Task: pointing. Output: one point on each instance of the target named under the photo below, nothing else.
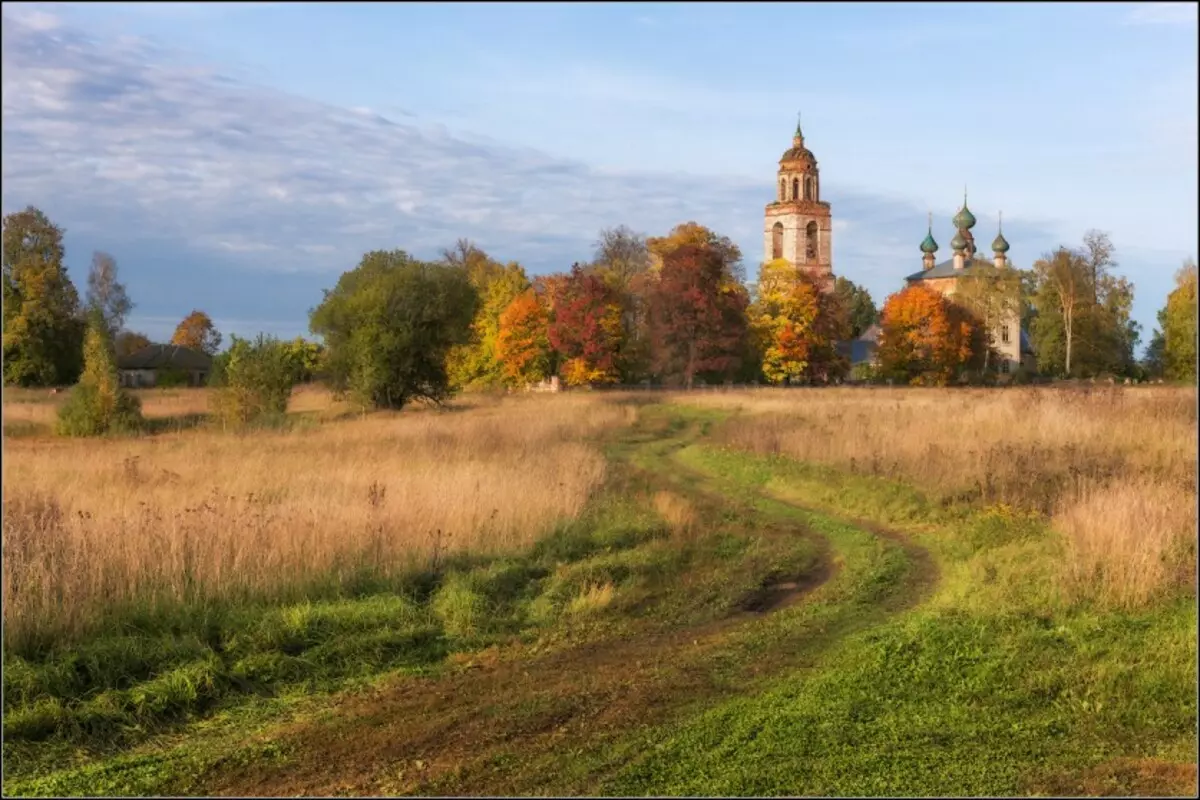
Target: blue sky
(239, 157)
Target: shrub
(168, 378)
(255, 380)
(98, 405)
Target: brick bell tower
(799, 227)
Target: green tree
(858, 305)
(98, 405)
(1154, 362)
(256, 379)
(43, 330)
(388, 326)
(1064, 288)
(993, 297)
(106, 294)
(305, 357)
(1179, 326)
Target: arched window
(810, 244)
(812, 188)
(782, 191)
(777, 240)
(795, 188)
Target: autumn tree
(43, 329)
(623, 260)
(388, 325)
(197, 332)
(696, 235)
(129, 342)
(98, 405)
(106, 294)
(858, 305)
(474, 363)
(1064, 287)
(523, 345)
(1179, 326)
(585, 329)
(925, 339)
(697, 314)
(796, 326)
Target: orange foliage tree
(522, 345)
(925, 339)
(198, 332)
(585, 327)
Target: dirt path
(483, 730)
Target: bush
(171, 378)
(98, 405)
(255, 380)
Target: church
(798, 227)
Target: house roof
(871, 334)
(158, 356)
(946, 270)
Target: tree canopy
(389, 324)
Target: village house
(152, 364)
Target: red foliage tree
(697, 316)
(586, 327)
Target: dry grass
(676, 511)
(202, 514)
(1115, 467)
(1129, 542)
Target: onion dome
(964, 218)
(958, 242)
(929, 245)
(1000, 245)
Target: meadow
(807, 591)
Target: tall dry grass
(1114, 467)
(93, 525)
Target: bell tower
(799, 226)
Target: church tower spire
(798, 225)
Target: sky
(239, 157)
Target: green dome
(929, 245)
(958, 242)
(1000, 245)
(964, 218)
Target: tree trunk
(1067, 320)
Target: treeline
(672, 310)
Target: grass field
(846, 592)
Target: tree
(925, 339)
(129, 342)
(696, 235)
(98, 405)
(697, 315)
(43, 330)
(856, 300)
(522, 345)
(1064, 286)
(1179, 326)
(1154, 362)
(197, 332)
(1098, 254)
(585, 328)
(621, 255)
(475, 363)
(993, 297)
(388, 326)
(305, 358)
(106, 293)
(256, 379)
(796, 326)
